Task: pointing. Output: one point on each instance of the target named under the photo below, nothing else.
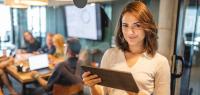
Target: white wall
(166, 26)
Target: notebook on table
(39, 63)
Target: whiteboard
(84, 22)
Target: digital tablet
(115, 79)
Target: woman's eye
(124, 26)
(138, 25)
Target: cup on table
(19, 68)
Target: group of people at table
(64, 55)
(135, 52)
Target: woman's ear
(69, 52)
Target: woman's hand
(3, 58)
(90, 80)
(11, 61)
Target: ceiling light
(15, 4)
(35, 2)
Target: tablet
(115, 79)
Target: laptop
(39, 63)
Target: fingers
(90, 80)
(90, 77)
(11, 61)
(85, 74)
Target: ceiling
(67, 2)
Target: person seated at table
(4, 62)
(49, 48)
(58, 56)
(31, 43)
(65, 72)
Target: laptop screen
(38, 61)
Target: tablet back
(114, 79)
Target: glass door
(185, 77)
(194, 82)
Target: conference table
(25, 78)
(22, 78)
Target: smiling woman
(136, 42)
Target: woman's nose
(131, 30)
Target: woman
(32, 45)
(58, 56)
(136, 42)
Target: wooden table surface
(25, 77)
(22, 77)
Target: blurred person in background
(49, 48)
(32, 45)
(66, 73)
(4, 62)
(58, 42)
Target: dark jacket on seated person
(45, 49)
(64, 74)
(32, 47)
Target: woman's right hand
(11, 61)
(90, 80)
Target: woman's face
(132, 30)
(55, 43)
(28, 37)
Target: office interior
(177, 21)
